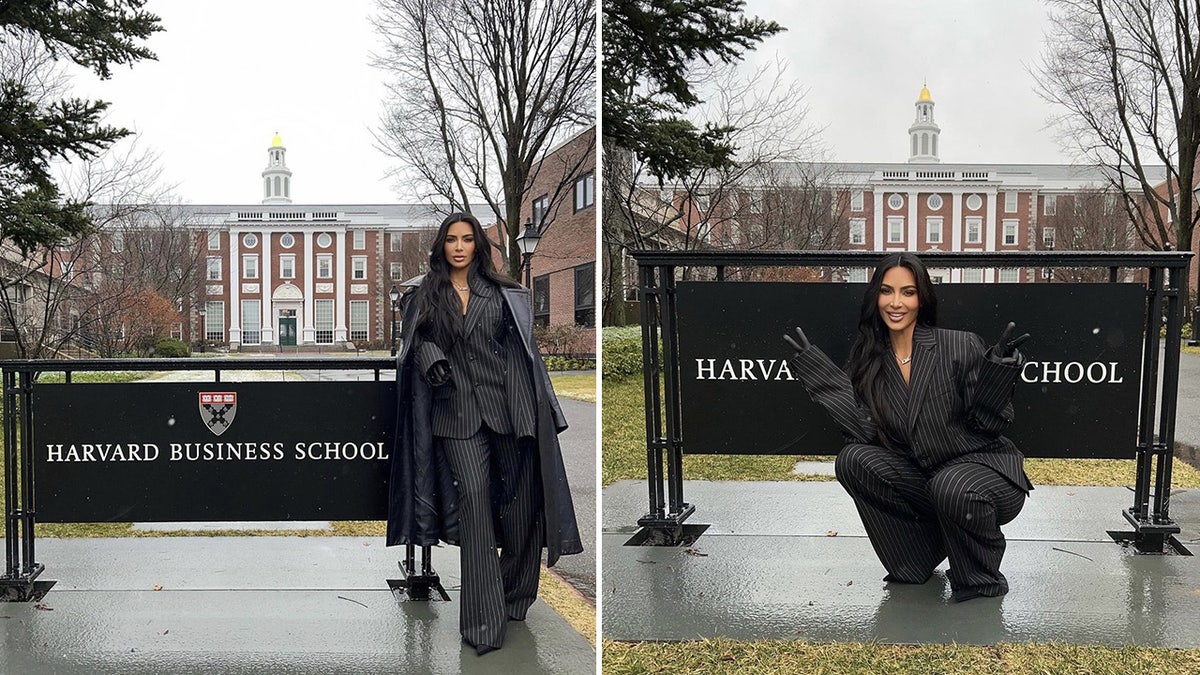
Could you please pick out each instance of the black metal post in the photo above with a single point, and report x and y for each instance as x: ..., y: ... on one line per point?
x: 527, y: 263
x: 394, y: 304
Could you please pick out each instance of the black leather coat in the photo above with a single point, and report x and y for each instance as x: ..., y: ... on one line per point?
x: 422, y: 498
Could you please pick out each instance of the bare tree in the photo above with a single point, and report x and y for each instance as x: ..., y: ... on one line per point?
x: 481, y: 91
x: 1127, y: 76
x: 764, y: 200
x: 1090, y: 219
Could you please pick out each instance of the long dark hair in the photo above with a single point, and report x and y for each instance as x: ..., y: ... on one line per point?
x: 871, y: 347
x: 437, y: 302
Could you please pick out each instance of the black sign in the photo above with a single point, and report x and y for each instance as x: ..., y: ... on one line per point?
x: 212, y: 451
x: 1077, y: 395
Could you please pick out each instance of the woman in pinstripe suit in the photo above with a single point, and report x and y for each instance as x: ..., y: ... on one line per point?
x: 477, y: 401
x: 923, y: 410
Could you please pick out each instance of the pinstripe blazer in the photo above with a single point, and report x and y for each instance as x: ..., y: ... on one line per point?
x: 954, y: 409
x: 488, y: 379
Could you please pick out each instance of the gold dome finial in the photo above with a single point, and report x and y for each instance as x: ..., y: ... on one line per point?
x: 277, y: 142
x: 924, y: 94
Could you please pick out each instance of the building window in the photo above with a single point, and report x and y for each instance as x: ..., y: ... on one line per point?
x: 895, y: 201
x: 1049, y: 205
x: 1010, y: 233
x: 585, y: 295
x: 856, y: 200
x: 541, y: 300
x: 324, y: 240
x: 214, y: 268
x: 973, y: 275
x: 974, y: 230
x: 895, y: 230
x: 358, y: 268
x: 250, y: 267
x: 934, y: 202
x: 214, y: 321
x: 1048, y: 237
x: 118, y: 242
x: 358, y: 321
x: 396, y: 274
x: 857, y: 275
x: 585, y: 191
x: 287, y: 241
x: 214, y: 241
x: 1010, y: 202
x: 702, y: 203
x: 1110, y: 203
x: 933, y: 230
x: 541, y: 207
x: 1008, y: 275
x: 395, y: 239
x: 974, y: 202
x: 324, y: 267
x: 250, y: 240
x: 858, y: 231
x: 251, y: 322
x: 360, y: 239
x: 323, y: 321
x: 287, y: 267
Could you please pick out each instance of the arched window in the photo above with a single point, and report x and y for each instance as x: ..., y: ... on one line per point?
x: 914, y: 140
x: 935, y: 144
x: 287, y: 186
x: 278, y: 187
x: 924, y: 144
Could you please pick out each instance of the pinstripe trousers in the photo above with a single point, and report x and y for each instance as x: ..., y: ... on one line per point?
x: 496, y: 588
x: 915, y: 521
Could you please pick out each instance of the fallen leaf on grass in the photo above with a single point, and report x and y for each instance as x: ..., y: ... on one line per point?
x: 1070, y: 493
x: 830, y: 533
x: 850, y: 583
x: 157, y: 587
x: 43, y: 607
x: 692, y: 551
x: 165, y: 631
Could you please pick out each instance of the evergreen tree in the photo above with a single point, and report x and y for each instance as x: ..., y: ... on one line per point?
x: 649, y: 46
x: 95, y: 34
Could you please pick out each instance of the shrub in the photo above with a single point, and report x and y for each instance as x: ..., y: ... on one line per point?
x: 171, y: 348
x: 565, y: 363
x: 561, y: 339
x: 622, y: 349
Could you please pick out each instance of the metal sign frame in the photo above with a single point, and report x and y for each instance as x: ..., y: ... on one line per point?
x: 1166, y: 286
x: 20, y: 581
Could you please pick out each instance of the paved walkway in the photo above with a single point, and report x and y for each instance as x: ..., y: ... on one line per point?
x: 790, y: 560
x: 257, y: 605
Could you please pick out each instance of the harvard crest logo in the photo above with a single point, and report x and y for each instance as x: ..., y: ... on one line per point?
x: 217, y: 410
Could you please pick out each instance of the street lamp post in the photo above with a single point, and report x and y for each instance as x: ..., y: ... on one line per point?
x: 394, y: 294
x: 203, y: 333
x: 527, y: 241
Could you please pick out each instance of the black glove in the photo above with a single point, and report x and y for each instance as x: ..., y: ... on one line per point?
x: 799, y: 343
x: 438, y: 374
x: 1005, y: 347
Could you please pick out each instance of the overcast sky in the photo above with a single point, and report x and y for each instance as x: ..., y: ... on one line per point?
x: 231, y: 73
x: 864, y: 62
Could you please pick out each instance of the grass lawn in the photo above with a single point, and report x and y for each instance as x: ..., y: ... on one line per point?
x: 623, y: 424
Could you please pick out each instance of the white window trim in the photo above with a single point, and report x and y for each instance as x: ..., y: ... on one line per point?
x: 1015, y: 225
x: 282, y: 267
x: 246, y: 267
x: 930, y: 222
x: 325, y: 257
x: 899, y: 221
x: 967, y: 223
x: 354, y: 268
x: 858, y: 226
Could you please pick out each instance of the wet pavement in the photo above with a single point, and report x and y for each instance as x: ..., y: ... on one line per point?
x: 261, y: 605
x: 790, y: 561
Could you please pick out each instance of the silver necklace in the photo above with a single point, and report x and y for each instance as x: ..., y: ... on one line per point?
x: 461, y: 288
x: 904, y: 361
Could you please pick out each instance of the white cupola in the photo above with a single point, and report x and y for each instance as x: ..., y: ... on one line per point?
x: 923, y: 134
x: 277, y: 178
